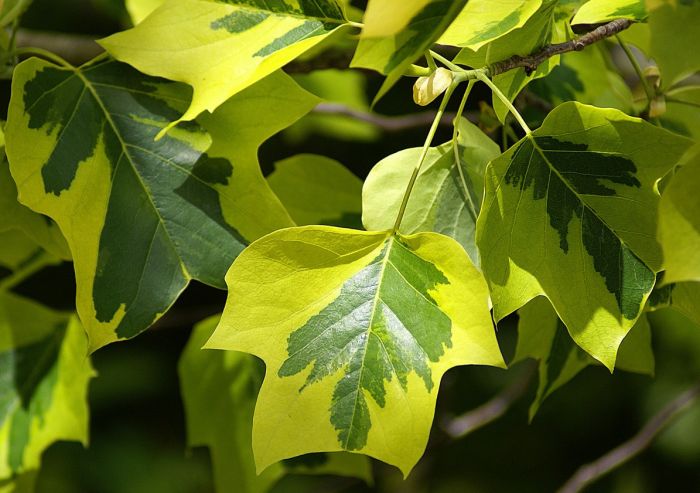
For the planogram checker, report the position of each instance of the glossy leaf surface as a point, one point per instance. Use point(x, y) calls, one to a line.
point(570, 212)
point(359, 328)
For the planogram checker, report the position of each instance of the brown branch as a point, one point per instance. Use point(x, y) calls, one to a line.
point(390, 123)
point(73, 48)
point(589, 473)
point(531, 62)
point(468, 422)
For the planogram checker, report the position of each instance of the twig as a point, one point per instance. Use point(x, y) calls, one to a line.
point(390, 123)
point(73, 48)
point(468, 422)
point(589, 473)
point(531, 62)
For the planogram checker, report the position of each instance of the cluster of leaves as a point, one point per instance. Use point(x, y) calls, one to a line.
point(141, 166)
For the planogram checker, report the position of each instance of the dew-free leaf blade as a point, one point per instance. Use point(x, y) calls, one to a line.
point(392, 55)
point(318, 190)
point(359, 328)
point(599, 11)
point(81, 144)
point(221, 47)
point(140, 9)
point(684, 297)
point(679, 224)
point(44, 376)
point(483, 21)
point(219, 390)
point(543, 337)
point(570, 212)
point(386, 17)
point(445, 199)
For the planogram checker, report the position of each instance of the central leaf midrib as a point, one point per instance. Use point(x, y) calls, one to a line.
point(250, 8)
point(125, 151)
point(577, 195)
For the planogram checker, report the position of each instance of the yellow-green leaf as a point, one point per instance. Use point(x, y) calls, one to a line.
point(44, 376)
point(221, 47)
point(543, 337)
point(140, 9)
point(570, 213)
point(318, 190)
point(358, 328)
point(387, 17)
point(392, 55)
point(600, 11)
point(447, 195)
point(683, 297)
point(483, 21)
point(219, 390)
point(679, 224)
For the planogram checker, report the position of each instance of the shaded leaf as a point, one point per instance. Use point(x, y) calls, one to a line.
point(543, 337)
point(600, 11)
point(483, 21)
point(221, 47)
point(679, 224)
point(359, 329)
point(673, 26)
point(684, 297)
point(44, 375)
point(443, 200)
point(570, 212)
point(318, 190)
point(682, 107)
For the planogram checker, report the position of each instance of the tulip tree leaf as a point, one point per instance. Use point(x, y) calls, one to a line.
point(387, 17)
point(220, 47)
point(679, 224)
point(140, 9)
point(82, 146)
point(44, 376)
point(443, 200)
point(673, 28)
point(570, 212)
point(681, 114)
point(600, 11)
point(543, 337)
point(684, 297)
point(538, 31)
point(219, 389)
point(392, 55)
point(483, 21)
point(318, 190)
point(359, 329)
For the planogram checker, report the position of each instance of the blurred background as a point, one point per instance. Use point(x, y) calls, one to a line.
point(137, 432)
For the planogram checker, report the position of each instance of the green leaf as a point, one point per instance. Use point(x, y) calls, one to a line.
point(358, 328)
point(543, 337)
point(81, 143)
point(679, 224)
point(31, 226)
point(219, 389)
point(684, 297)
point(221, 47)
point(387, 18)
point(140, 9)
point(44, 376)
point(483, 21)
point(600, 11)
point(392, 55)
point(537, 32)
point(570, 213)
point(444, 199)
point(673, 25)
point(584, 77)
point(681, 116)
point(10, 10)
point(318, 190)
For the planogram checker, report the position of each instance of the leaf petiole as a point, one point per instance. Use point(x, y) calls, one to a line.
point(494, 88)
point(423, 154)
point(455, 147)
point(42, 53)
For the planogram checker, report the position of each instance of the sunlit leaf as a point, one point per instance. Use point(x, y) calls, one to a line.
point(570, 212)
point(600, 11)
point(221, 47)
point(359, 329)
point(444, 199)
